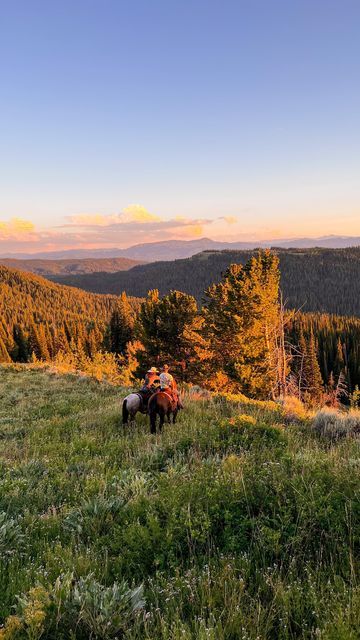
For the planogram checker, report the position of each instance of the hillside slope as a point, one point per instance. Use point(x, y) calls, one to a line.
point(326, 280)
point(44, 267)
point(65, 314)
point(23, 293)
point(235, 525)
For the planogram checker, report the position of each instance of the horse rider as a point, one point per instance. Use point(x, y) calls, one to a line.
point(151, 384)
point(151, 378)
point(168, 385)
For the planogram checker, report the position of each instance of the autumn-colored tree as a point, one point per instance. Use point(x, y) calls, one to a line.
point(242, 325)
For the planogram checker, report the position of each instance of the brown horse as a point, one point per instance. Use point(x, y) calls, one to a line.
point(161, 404)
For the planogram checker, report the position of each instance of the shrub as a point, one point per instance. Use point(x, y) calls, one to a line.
point(335, 425)
point(240, 399)
point(293, 409)
point(194, 392)
point(247, 432)
point(94, 610)
point(11, 536)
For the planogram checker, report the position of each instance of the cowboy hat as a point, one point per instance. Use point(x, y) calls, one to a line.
point(152, 370)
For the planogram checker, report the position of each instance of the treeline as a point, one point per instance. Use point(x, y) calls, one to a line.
point(318, 280)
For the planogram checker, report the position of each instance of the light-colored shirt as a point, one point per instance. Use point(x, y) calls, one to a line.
point(166, 380)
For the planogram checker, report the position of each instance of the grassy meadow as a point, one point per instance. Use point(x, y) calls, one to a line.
point(235, 523)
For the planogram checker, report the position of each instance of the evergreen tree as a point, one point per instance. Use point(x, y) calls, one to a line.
point(37, 342)
point(121, 327)
point(148, 330)
point(20, 352)
point(339, 364)
point(169, 330)
point(311, 379)
point(60, 341)
point(4, 355)
point(242, 317)
point(91, 343)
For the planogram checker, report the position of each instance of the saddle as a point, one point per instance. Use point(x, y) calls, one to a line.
point(144, 399)
point(170, 396)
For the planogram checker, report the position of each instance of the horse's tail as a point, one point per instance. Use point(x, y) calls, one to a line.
point(125, 412)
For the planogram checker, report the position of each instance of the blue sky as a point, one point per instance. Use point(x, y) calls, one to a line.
point(234, 119)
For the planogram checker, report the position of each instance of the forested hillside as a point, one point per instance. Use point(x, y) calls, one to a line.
point(326, 280)
point(42, 317)
point(337, 345)
point(44, 267)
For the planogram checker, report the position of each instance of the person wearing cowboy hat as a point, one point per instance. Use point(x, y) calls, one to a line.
point(168, 383)
point(150, 385)
point(151, 375)
point(166, 379)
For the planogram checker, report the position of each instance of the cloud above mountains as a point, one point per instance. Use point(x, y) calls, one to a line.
point(135, 213)
point(132, 225)
point(15, 228)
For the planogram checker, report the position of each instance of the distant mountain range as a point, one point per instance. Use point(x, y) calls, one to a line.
point(176, 249)
point(312, 279)
point(70, 267)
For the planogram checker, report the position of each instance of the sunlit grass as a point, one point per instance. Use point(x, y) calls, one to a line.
point(237, 523)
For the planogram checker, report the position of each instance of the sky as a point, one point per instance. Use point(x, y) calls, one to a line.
point(127, 121)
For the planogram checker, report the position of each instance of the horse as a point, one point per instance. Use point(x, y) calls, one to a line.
point(131, 405)
point(161, 404)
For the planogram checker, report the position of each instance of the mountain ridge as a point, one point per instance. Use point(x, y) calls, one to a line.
point(72, 266)
point(177, 249)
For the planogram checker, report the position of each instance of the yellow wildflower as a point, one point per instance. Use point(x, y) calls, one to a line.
point(13, 624)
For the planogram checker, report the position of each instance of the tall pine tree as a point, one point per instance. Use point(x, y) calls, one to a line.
point(38, 343)
point(20, 351)
point(169, 330)
point(121, 327)
point(4, 355)
point(242, 316)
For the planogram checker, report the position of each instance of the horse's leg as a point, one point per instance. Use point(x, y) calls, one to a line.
point(162, 418)
point(125, 413)
point(174, 415)
point(152, 421)
point(168, 414)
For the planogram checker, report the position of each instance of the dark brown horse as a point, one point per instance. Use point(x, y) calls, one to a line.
point(161, 404)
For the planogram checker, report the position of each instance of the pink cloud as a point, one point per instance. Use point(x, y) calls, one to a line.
point(134, 213)
point(132, 225)
point(16, 228)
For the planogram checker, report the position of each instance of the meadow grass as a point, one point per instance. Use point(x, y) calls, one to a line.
point(232, 524)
